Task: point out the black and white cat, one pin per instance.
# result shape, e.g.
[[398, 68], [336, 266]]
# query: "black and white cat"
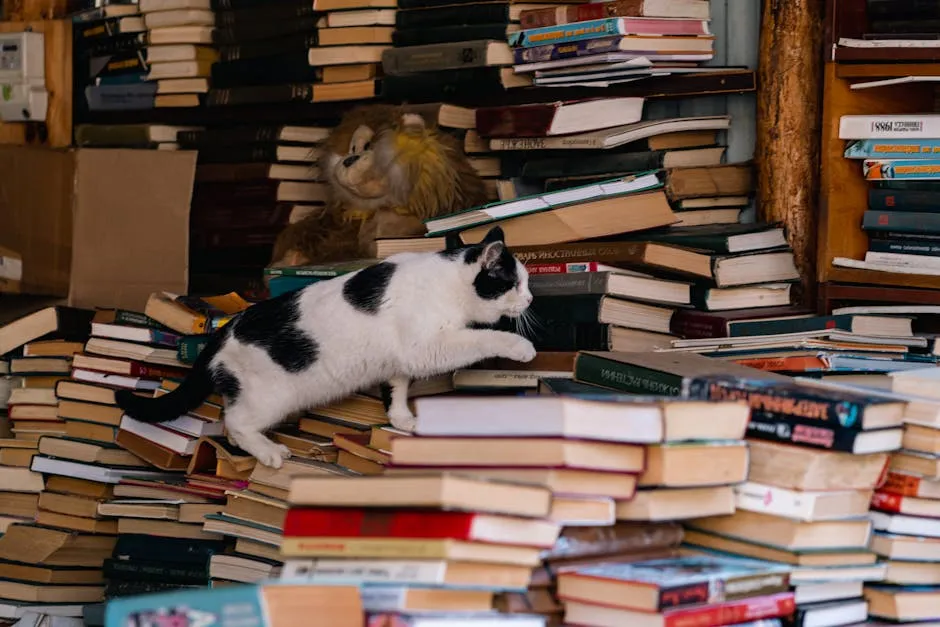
[[408, 317]]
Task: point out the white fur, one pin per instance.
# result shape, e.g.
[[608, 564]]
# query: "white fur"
[[420, 331]]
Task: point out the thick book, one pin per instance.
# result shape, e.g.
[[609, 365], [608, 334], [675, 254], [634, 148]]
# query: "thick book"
[[616, 164], [449, 56], [66, 323], [601, 45], [464, 526], [662, 30], [567, 14], [886, 126], [557, 118], [463, 84], [409, 37], [272, 12], [241, 32], [288, 67], [292, 92], [923, 247], [926, 201], [266, 152], [727, 613], [156, 570], [269, 47], [658, 585], [892, 149], [234, 172], [241, 135], [902, 222], [758, 322], [483, 13]]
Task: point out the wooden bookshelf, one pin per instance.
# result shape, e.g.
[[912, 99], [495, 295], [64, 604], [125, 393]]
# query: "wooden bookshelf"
[[843, 196]]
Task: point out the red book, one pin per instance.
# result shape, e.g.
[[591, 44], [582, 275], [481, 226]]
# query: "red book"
[[730, 613], [905, 484], [470, 527], [547, 119], [900, 504]]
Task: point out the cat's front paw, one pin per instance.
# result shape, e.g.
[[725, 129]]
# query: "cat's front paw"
[[403, 421], [519, 349], [272, 456]]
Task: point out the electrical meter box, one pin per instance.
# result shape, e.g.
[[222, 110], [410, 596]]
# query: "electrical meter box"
[[23, 96]]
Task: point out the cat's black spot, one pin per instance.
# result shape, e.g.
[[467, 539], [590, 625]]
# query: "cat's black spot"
[[501, 277], [366, 289], [273, 326], [226, 383], [473, 254]]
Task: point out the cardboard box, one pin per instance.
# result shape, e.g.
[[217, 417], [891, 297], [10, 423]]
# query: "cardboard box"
[[103, 228]]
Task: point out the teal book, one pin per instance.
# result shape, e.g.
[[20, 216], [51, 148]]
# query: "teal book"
[[323, 271], [280, 285], [218, 607], [893, 149], [901, 169]]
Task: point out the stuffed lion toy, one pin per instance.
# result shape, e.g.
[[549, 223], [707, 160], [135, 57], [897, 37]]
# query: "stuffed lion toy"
[[388, 170]]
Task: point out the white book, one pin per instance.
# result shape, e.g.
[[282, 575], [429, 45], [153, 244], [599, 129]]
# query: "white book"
[[923, 126], [906, 525], [799, 505], [176, 442], [91, 472]]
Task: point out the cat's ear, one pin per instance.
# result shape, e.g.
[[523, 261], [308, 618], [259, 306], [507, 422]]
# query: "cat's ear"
[[491, 254], [495, 235]]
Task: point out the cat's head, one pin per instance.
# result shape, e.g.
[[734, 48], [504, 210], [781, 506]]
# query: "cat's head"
[[498, 282]]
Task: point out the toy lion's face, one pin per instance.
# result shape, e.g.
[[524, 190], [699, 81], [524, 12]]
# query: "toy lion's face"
[[363, 160]]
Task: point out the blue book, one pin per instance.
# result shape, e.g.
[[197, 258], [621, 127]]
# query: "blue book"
[[893, 149], [207, 608], [901, 169], [567, 33]]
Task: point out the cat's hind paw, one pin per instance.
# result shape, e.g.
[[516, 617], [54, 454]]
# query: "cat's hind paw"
[[403, 421]]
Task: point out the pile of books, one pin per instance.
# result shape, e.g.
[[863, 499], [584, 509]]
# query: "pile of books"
[[110, 58], [290, 51], [902, 165], [180, 70], [606, 43], [251, 182]]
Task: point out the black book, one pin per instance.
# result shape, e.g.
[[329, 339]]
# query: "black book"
[[291, 67], [269, 47], [596, 164], [271, 12], [131, 547], [406, 37], [902, 221], [927, 201], [118, 588], [925, 247], [252, 31], [106, 46], [898, 27], [160, 571], [122, 64], [486, 13], [239, 136], [907, 10], [251, 153], [261, 94], [469, 83]]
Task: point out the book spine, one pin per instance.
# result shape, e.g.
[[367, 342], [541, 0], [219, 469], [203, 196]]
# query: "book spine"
[[436, 57], [902, 222], [546, 143], [147, 371], [730, 589], [574, 336], [616, 252], [774, 501], [888, 502], [903, 200], [355, 571], [779, 404], [554, 16], [750, 328], [897, 149], [565, 34], [527, 121], [260, 95], [486, 13], [307, 523], [802, 433], [901, 484], [154, 571], [733, 612], [561, 268], [573, 284], [889, 127], [902, 170], [796, 363], [190, 346], [133, 318], [554, 310], [628, 378], [698, 325]]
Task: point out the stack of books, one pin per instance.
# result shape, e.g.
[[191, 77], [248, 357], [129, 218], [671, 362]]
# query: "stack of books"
[[180, 69], [251, 182], [420, 543], [140, 136], [291, 51], [33, 404], [899, 155], [110, 59], [606, 43]]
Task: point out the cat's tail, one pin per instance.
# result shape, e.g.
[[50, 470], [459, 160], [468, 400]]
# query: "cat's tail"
[[195, 388]]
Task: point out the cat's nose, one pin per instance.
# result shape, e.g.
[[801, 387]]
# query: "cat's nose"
[[527, 299], [350, 160]]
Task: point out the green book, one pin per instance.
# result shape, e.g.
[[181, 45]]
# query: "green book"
[[328, 271]]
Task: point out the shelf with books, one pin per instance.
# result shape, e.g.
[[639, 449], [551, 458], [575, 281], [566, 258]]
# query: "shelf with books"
[[843, 198], [886, 70]]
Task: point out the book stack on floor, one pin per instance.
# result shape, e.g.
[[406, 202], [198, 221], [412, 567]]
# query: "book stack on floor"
[[606, 43], [251, 181], [294, 51], [901, 164], [430, 542], [33, 404], [179, 51], [140, 136], [110, 59]]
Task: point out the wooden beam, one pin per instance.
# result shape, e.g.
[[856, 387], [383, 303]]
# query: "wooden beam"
[[788, 117], [57, 129], [34, 10]]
